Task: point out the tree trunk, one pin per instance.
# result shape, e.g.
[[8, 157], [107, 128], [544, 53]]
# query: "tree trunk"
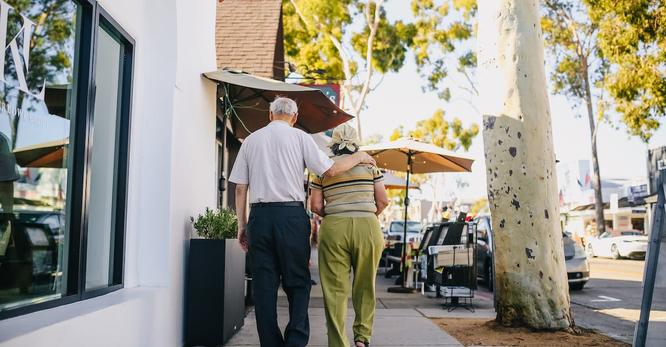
[[531, 281], [596, 176]]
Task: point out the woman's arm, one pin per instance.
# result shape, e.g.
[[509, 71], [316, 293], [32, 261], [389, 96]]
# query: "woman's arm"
[[381, 199], [317, 202]]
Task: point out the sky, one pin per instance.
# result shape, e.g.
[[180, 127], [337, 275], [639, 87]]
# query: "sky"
[[399, 100]]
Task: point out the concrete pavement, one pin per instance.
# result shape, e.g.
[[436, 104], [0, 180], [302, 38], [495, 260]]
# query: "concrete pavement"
[[610, 303], [401, 319]]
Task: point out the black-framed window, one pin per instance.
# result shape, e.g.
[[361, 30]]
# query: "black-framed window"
[[64, 123]]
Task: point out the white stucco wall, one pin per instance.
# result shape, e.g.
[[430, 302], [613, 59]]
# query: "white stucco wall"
[[172, 176]]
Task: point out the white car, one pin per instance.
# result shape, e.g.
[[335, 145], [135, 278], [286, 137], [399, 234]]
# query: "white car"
[[397, 228], [630, 244]]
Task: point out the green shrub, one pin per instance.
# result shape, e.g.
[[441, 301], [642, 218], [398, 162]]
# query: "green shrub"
[[216, 224]]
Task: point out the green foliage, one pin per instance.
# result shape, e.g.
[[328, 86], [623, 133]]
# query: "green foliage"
[[632, 38], [333, 36], [216, 224], [440, 132], [308, 37], [570, 37], [619, 45], [308, 47], [443, 28]]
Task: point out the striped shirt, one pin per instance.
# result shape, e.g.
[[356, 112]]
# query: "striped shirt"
[[351, 193]]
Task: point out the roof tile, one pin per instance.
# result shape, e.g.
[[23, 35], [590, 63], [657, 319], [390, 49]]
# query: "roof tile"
[[246, 35]]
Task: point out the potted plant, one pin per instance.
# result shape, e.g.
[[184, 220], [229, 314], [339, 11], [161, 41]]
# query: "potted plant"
[[215, 291]]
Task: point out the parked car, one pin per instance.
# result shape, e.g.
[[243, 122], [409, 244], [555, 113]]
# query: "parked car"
[[628, 243], [578, 267], [396, 230], [31, 252]]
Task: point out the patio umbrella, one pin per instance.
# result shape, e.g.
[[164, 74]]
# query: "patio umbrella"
[[246, 99], [412, 156], [48, 154]]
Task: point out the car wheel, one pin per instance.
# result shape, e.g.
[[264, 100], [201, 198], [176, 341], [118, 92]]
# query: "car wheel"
[[590, 252], [577, 286], [615, 253], [488, 277]]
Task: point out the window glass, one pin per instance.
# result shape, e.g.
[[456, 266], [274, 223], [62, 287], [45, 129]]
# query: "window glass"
[[36, 108], [101, 209]]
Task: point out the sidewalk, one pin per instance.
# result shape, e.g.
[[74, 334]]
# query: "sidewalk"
[[401, 319]]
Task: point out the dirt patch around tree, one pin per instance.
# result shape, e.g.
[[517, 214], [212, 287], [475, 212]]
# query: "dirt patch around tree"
[[484, 332]]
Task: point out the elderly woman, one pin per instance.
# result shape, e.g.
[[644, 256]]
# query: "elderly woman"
[[350, 239]]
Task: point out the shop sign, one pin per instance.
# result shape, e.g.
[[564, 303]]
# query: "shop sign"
[[637, 192]]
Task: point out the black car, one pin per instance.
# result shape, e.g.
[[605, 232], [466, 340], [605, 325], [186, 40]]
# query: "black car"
[[578, 267], [484, 252]]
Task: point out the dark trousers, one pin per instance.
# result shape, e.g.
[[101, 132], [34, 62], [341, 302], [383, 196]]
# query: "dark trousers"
[[280, 253]]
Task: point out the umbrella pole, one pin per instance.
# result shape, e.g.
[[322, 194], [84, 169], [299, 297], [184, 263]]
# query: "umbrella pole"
[[403, 288], [404, 233]]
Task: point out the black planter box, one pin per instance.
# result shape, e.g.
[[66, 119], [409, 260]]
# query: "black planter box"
[[215, 293]]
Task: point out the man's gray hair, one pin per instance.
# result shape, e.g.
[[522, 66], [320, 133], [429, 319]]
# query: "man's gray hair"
[[284, 106]]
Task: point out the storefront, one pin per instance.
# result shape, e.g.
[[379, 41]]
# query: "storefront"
[[107, 147]]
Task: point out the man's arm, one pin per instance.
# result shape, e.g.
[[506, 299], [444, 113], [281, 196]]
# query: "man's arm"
[[319, 163], [241, 203], [344, 164]]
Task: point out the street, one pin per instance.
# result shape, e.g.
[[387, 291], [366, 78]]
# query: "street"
[[611, 300]]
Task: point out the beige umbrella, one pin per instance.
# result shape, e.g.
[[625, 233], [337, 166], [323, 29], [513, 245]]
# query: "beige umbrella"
[[425, 157], [412, 156]]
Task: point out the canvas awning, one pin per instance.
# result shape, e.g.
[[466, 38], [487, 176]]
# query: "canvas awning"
[[247, 97], [49, 154]]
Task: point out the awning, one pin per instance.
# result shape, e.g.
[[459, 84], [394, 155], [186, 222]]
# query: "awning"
[[248, 98], [49, 154]]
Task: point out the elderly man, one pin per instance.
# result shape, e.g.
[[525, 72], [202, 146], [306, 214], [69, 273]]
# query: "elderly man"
[[270, 164]]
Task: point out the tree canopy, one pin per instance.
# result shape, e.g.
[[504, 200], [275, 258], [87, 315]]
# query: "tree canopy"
[[451, 135], [345, 41], [353, 42], [632, 38]]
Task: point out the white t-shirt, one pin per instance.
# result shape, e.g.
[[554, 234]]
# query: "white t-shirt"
[[272, 161]]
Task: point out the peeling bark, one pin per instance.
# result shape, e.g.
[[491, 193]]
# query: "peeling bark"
[[531, 283]]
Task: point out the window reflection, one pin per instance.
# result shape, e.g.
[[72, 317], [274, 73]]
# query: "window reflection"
[[36, 105]]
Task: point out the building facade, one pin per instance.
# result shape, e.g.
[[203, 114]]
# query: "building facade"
[[108, 147]]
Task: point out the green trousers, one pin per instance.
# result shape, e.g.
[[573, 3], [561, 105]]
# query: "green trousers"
[[349, 244]]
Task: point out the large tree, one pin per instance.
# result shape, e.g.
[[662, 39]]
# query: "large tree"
[[351, 42], [579, 71], [531, 280], [632, 39], [444, 31]]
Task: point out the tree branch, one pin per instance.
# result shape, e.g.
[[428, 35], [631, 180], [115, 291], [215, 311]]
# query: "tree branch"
[[346, 66], [373, 24]]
